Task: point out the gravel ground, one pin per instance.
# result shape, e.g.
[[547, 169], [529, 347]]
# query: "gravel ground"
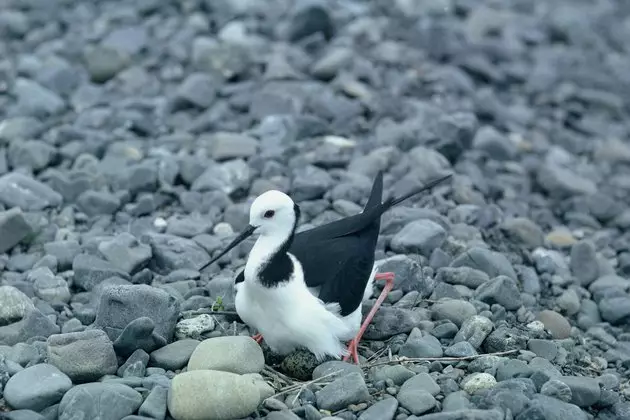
[[134, 135]]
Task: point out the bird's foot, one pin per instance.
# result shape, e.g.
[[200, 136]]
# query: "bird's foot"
[[258, 338], [354, 343]]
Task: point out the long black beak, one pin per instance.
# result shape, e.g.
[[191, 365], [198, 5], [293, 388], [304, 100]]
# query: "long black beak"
[[240, 238]]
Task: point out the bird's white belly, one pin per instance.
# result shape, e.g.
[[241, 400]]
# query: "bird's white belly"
[[267, 312], [290, 316]]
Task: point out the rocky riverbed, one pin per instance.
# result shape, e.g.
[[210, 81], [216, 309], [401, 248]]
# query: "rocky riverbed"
[[135, 134]]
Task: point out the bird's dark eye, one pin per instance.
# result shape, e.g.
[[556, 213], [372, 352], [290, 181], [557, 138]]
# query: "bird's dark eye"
[[269, 214]]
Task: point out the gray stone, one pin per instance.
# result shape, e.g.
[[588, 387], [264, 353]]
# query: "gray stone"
[[224, 145], [569, 302], [36, 387], [555, 323], [396, 373], [390, 321], [90, 271], [13, 228], [96, 203], [474, 330], [343, 391], [478, 382], [420, 237], [135, 365], [493, 143], [466, 414], [33, 154], [34, 324], [103, 63], [384, 409], [125, 252], [583, 262], [236, 354], [174, 356], [461, 349], [421, 345], [563, 182], [19, 190], [548, 408], [408, 275], [197, 90], [464, 276], [194, 327], [204, 394], [416, 401], [14, 305], [99, 400], [456, 401], [121, 305], [455, 310], [228, 177], [154, 406], [48, 287], [173, 253], [335, 368], [546, 349], [557, 389], [490, 262], [615, 310], [138, 334], [502, 290], [84, 356], [523, 231], [421, 382], [64, 251], [37, 100], [585, 391]]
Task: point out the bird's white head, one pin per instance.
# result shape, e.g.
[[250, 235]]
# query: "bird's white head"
[[273, 212], [274, 215]]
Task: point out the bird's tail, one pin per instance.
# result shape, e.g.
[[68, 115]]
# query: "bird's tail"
[[396, 200], [376, 195]]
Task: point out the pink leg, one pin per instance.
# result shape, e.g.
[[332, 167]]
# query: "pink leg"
[[354, 343], [258, 338]]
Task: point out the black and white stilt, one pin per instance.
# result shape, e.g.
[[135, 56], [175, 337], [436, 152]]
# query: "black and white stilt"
[[307, 289]]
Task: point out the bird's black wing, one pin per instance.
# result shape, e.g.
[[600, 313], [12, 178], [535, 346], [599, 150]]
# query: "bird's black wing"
[[340, 267]]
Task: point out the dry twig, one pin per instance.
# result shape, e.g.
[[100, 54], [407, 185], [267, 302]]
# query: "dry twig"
[[401, 360]]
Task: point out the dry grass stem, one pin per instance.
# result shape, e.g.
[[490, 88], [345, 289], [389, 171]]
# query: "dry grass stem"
[[401, 360]]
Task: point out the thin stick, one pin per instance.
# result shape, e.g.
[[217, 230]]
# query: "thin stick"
[[209, 312], [300, 385], [437, 359]]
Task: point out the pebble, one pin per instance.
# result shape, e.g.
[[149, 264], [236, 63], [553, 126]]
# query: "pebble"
[[36, 387], [381, 410], [501, 290], [557, 389], [474, 330], [84, 356], [14, 305], [13, 228], [195, 327], [203, 394], [478, 382], [103, 400], [174, 356], [585, 391], [235, 354], [343, 391], [555, 323], [584, 262], [421, 237], [455, 310], [120, 305]]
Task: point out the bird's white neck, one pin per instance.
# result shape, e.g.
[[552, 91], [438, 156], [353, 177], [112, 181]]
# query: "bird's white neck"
[[268, 244]]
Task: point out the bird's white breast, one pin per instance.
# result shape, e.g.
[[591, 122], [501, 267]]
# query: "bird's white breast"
[[288, 315]]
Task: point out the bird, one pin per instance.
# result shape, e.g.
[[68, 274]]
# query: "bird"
[[306, 289]]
